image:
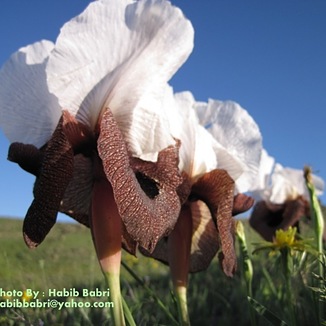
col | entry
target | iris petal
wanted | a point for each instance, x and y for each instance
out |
(55, 175)
(146, 219)
(138, 46)
(235, 130)
(216, 189)
(28, 112)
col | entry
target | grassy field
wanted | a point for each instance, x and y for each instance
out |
(67, 259)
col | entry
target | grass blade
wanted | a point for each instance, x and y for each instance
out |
(151, 293)
(266, 313)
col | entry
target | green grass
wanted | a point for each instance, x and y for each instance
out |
(67, 259)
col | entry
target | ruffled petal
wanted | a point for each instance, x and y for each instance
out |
(27, 156)
(145, 192)
(238, 133)
(54, 176)
(204, 241)
(28, 112)
(216, 189)
(242, 203)
(288, 183)
(76, 201)
(120, 54)
(197, 155)
(200, 152)
(267, 218)
(261, 187)
(276, 184)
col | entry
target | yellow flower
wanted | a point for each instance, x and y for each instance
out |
(26, 297)
(285, 238)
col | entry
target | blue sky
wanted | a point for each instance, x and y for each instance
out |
(267, 55)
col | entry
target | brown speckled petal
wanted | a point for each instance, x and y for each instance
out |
(267, 218)
(80, 137)
(204, 240)
(241, 203)
(146, 198)
(216, 189)
(55, 173)
(27, 156)
(76, 201)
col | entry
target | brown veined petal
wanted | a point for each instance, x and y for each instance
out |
(27, 156)
(294, 210)
(76, 201)
(147, 216)
(55, 174)
(241, 203)
(267, 218)
(216, 189)
(79, 135)
(204, 240)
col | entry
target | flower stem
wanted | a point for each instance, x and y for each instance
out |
(317, 215)
(106, 231)
(318, 221)
(247, 267)
(179, 245)
(286, 260)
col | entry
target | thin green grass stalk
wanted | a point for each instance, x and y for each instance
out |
(151, 293)
(247, 267)
(127, 313)
(266, 313)
(318, 222)
(270, 283)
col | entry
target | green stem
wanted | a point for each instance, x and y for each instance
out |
(247, 268)
(316, 214)
(286, 259)
(181, 297)
(318, 222)
(113, 282)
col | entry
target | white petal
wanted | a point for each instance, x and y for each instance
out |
(197, 154)
(319, 184)
(147, 130)
(200, 152)
(288, 183)
(120, 54)
(238, 133)
(28, 112)
(276, 183)
(262, 186)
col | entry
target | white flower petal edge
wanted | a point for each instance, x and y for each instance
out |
(288, 183)
(28, 112)
(120, 54)
(199, 151)
(261, 187)
(235, 130)
(276, 184)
